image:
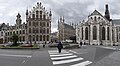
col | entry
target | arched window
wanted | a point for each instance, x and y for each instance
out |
(82, 33)
(40, 37)
(29, 30)
(37, 38)
(95, 18)
(103, 33)
(44, 16)
(33, 16)
(94, 33)
(47, 37)
(86, 33)
(44, 38)
(29, 37)
(37, 14)
(107, 33)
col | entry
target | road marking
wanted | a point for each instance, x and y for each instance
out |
(61, 55)
(109, 48)
(57, 52)
(72, 51)
(23, 61)
(67, 61)
(28, 56)
(59, 58)
(77, 52)
(83, 63)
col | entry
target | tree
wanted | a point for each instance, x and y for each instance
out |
(15, 39)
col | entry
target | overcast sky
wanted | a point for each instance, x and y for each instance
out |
(72, 10)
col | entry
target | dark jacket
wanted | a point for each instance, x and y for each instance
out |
(60, 46)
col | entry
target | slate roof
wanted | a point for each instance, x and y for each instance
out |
(116, 21)
(68, 26)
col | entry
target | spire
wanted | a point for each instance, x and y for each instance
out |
(107, 15)
(50, 13)
(63, 19)
(27, 12)
(18, 16)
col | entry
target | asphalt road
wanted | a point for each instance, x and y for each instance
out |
(86, 55)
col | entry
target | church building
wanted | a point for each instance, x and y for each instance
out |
(99, 29)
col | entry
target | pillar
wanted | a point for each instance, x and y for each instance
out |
(98, 40)
(91, 34)
(106, 35)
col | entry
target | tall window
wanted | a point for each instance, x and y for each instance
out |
(44, 38)
(33, 16)
(29, 23)
(86, 33)
(29, 30)
(23, 31)
(47, 24)
(82, 33)
(95, 18)
(37, 14)
(47, 37)
(47, 30)
(94, 33)
(103, 33)
(40, 37)
(107, 33)
(36, 30)
(44, 16)
(40, 30)
(40, 14)
(37, 38)
(29, 37)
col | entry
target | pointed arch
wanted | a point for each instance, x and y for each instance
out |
(103, 33)
(94, 33)
(86, 33)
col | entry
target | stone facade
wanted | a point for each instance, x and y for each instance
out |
(65, 31)
(98, 29)
(36, 29)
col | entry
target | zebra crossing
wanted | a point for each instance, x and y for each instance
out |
(66, 57)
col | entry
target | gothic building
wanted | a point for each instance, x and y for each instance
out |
(65, 31)
(36, 29)
(99, 29)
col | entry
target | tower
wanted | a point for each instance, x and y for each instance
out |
(18, 20)
(107, 15)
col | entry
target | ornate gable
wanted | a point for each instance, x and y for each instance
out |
(95, 13)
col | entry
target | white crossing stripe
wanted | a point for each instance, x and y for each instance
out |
(67, 61)
(109, 48)
(61, 55)
(82, 63)
(59, 58)
(28, 56)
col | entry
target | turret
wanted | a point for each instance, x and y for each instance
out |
(18, 20)
(107, 15)
(50, 14)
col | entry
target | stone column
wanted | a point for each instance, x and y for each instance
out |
(98, 40)
(111, 35)
(91, 34)
(84, 34)
(106, 35)
(115, 37)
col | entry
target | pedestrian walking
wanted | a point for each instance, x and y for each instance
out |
(60, 46)
(44, 44)
(80, 44)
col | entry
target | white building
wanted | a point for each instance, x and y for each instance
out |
(99, 29)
